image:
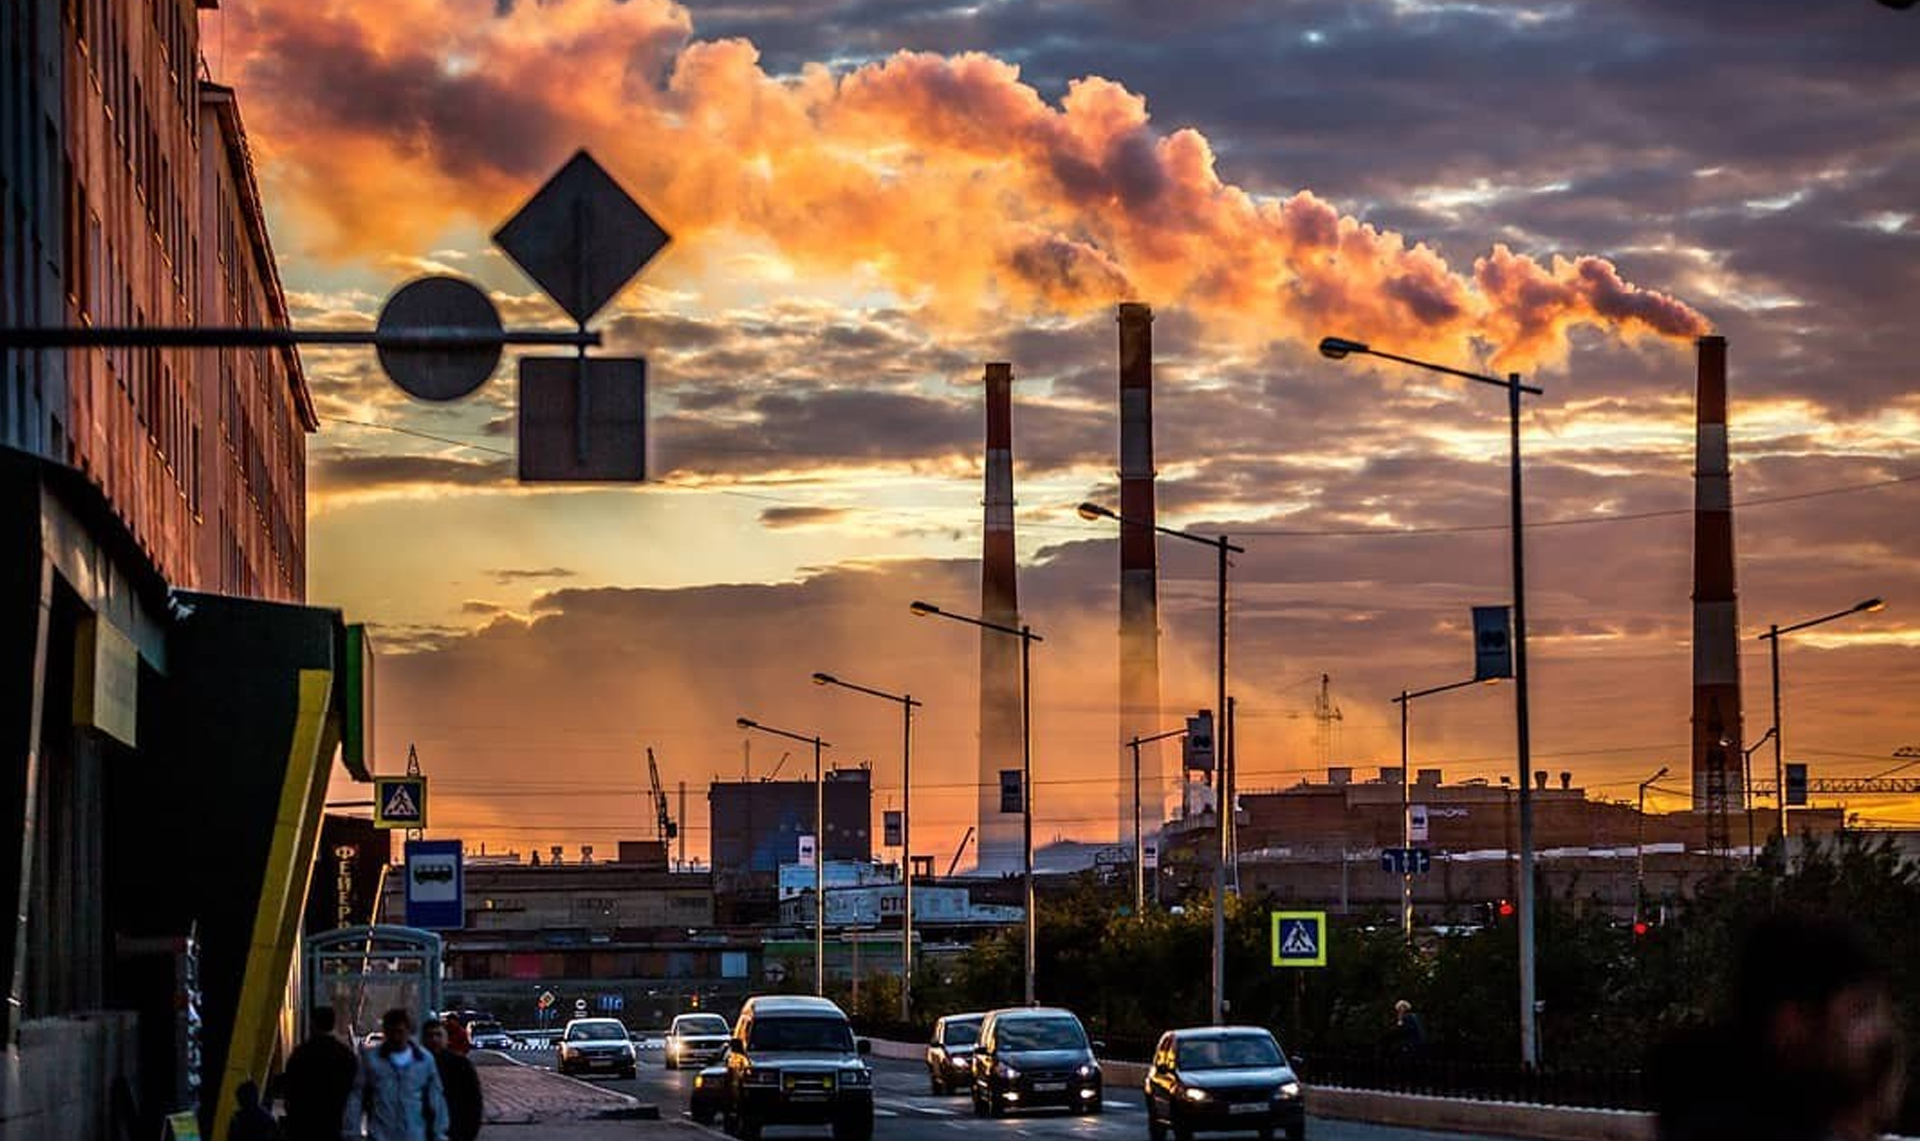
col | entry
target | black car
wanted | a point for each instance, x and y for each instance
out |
(950, 1052)
(1034, 1056)
(1223, 1079)
(794, 1061)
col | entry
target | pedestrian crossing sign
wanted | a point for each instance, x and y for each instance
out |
(400, 802)
(1299, 938)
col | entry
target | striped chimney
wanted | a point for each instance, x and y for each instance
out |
(1001, 836)
(1717, 738)
(1139, 576)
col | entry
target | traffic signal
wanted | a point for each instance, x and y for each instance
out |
(1640, 929)
(1506, 909)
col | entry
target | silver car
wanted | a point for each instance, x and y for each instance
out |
(695, 1039)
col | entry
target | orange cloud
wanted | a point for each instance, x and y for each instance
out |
(944, 178)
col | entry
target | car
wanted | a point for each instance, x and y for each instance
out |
(707, 1100)
(487, 1034)
(696, 1039)
(588, 1045)
(1034, 1056)
(1223, 1079)
(793, 1060)
(950, 1052)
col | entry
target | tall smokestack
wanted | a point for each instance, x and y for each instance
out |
(1716, 621)
(1001, 843)
(1139, 574)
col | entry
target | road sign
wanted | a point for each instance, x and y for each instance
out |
(1417, 823)
(579, 1006)
(1149, 855)
(546, 1000)
(806, 851)
(436, 887)
(1797, 785)
(558, 443)
(610, 1003)
(400, 802)
(1406, 861)
(1196, 751)
(581, 237)
(1299, 938)
(890, 827)
(1010, 799)
(439, 304)
(1492, 642)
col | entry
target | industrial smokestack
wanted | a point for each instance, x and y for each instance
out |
(1139, 575)
(1717, 768)
(1000, 848)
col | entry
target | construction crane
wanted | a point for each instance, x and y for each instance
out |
(958, 852)
(663, 819)
(1880, 784)
(1326, 717)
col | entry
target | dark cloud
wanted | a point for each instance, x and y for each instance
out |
(783, 518)
(532, 574)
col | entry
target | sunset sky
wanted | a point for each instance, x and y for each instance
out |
(869, 198)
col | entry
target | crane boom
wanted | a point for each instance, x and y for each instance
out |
(959, 851)
(663, 819)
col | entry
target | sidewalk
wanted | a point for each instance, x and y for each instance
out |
(522, 1095)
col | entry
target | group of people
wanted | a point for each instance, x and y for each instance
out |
(399, 1090)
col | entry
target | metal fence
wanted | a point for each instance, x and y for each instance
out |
(1443, 1076)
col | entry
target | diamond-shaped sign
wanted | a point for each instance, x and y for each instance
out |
(581, 237)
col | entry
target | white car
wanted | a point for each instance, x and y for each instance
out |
(597, 1045)
(489, 1036)
(696, 1039)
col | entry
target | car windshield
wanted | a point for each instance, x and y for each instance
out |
(1237, 1051)
(1040, 1034)
(597, 1031)
(705, 1024)
(962, 1033)
(801, 1034)
(484, 1028)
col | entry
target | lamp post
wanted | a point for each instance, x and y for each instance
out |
(1640, 850)
(1223, 796)
(907, 705)
(819, 847)
(1746, 770)
(1027, 639)
(1772, 638)
(1139, 847)
(1339, 348)
(1405, 702)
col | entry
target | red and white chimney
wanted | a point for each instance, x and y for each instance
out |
(1717, 736)
(1139, 577)
(1001, 844)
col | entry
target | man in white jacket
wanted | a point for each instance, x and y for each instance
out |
(396, 1092)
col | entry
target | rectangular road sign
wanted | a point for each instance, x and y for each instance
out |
(890, 825)
(1299, 938)
(400, 802)
(1406, 861)
(1417, 823)
(436, 885)
(550, 420)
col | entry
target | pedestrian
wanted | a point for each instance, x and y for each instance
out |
(1409, 1038)
(1808, 1049)
(396, 1089)
(458, 1079)
(251, 1121)
(315, 1083)
(458, 1040)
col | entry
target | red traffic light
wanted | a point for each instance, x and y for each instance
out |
(1639, 928)
(1506, 910)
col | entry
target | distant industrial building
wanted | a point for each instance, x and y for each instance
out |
(757, 826)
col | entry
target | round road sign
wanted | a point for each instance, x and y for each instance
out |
(445, 308)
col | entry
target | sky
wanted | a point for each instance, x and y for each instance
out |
(871, 198)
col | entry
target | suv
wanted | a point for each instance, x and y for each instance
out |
(589, 1044)
(1030, 1056)
(794, 1061)
(950, 1052)
(1222, 1078)
(696, 1039)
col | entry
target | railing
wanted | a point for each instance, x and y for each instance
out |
(1492, 1081)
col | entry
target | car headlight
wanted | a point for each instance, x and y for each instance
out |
(1088, 1070)
(1193, 1094)
(700, 1081)
(1289, 1090)
(1006, 1071)
(856, 1077)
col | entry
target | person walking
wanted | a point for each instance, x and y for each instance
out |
(251, 1121)
(315, 1083)
(1409, 1036)
(396, 1089)
(458, 1079)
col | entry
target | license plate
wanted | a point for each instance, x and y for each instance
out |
(1247, 1107)
(1049, 1087)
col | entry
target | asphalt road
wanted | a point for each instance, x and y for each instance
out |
(903, 1110)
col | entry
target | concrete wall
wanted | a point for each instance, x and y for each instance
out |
(59, 1084)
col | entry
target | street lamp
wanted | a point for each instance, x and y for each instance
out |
(1139, 845)
(1339, 348)
(1640, 849)
(1746, 770)
(1405, 702)
(1772, 637)
(907, 706)
(1027, 639)
(1223, 796)
(819, 847)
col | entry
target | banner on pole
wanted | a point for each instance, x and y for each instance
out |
(890, 829)
(1197, 749)
(1492, 642)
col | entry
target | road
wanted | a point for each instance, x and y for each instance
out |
(903, 1111)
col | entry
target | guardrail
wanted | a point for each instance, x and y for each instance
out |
(1441, 1076)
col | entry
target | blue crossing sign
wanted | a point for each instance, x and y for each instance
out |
(1299, 938)
(400, 802)
(1406, 861)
